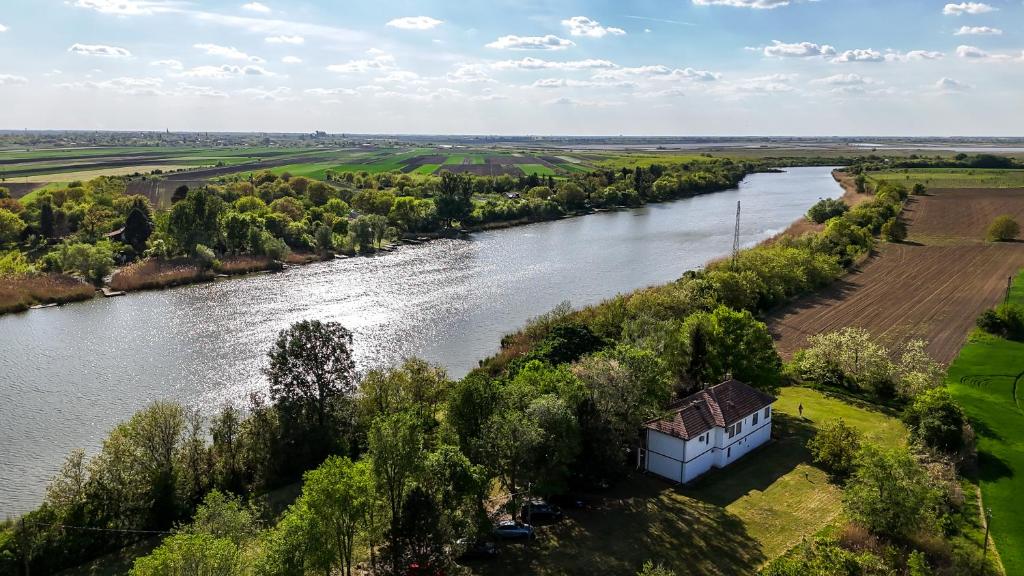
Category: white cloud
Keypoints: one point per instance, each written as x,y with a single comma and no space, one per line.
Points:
978,31
757,4
758,85
123,85
547,42
128,7
971,52
257,7
798,50
285,39
468,73
99,50
951,85
415,23
576,102
859,55
844,80
224,71
291,60
169,64
3,28
573,83
201,91
897,56
12,79
658,72
967,8
229,52
583,26
530,63
400,77
380,61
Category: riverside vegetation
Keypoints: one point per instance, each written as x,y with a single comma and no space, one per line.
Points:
400,464
53,238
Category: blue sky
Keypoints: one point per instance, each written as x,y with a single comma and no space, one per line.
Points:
681,67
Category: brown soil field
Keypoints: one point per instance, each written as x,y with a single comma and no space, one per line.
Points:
932,286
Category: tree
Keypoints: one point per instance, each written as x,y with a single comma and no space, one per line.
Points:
11,227
834,447
826,209
454,198
651,569
894,230
861,184
138,227
919,189
195,220
312,381
396,447
337,495
727,341
91,261
1003,229
889,492
510,439
936,421
46,219
420,533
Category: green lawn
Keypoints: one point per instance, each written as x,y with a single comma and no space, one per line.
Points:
538,169
730,522
983,379
953,177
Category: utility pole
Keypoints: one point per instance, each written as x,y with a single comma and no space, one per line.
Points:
1009,285
736,236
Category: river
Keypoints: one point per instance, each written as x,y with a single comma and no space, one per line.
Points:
69,374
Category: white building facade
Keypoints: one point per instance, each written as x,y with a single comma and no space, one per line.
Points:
710,429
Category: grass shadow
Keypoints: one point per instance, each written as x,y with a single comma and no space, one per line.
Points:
759,469
992,468
640,519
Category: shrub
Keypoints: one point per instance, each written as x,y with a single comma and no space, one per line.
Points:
936,421
1003,229
834,447
826,209
1005,321
894,230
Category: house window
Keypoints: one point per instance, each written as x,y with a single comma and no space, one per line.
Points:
753,419
701,439
728,452
767,412
732,431
739,427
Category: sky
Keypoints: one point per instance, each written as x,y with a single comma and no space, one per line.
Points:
607,67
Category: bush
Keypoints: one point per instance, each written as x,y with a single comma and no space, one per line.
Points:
826,209
1003,229
936,421
894,230
834,447
1005,321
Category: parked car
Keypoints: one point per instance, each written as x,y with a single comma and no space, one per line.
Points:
476,549
511,530
540,511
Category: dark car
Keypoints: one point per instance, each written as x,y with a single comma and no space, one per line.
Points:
540,511
476,549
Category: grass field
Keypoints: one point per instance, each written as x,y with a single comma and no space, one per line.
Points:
538,169
953,177
731,522
987,379
455,159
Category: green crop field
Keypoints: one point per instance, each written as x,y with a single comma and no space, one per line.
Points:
568,167
731,522
455,159
987,379
426,169
538,169
953,177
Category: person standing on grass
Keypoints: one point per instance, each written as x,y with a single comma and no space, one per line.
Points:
800,409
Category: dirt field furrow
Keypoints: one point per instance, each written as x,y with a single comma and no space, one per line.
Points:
933,286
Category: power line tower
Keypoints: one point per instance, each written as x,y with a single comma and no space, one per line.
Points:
736,236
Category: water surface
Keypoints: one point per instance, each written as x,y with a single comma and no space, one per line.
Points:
69,374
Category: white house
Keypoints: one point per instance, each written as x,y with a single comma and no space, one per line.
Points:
710,429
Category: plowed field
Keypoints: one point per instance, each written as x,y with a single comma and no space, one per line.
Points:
932,286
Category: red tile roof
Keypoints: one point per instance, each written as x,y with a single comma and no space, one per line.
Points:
719,405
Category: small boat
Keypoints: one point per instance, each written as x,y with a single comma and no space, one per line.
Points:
107,292
41,306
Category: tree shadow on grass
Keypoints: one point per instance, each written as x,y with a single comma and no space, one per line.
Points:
992,468
981,428
643,518
759,469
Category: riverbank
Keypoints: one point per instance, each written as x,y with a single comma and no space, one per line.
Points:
20,293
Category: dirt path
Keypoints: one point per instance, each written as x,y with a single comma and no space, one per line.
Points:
933,286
